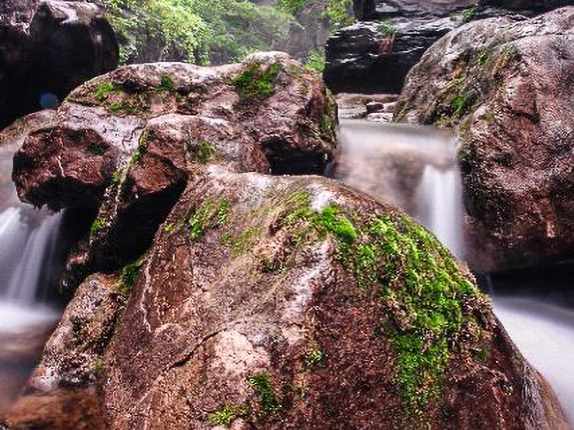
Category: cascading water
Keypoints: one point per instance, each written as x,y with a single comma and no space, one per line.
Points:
412,167
27,260
415,168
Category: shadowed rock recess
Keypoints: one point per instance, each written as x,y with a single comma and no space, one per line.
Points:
210,294
508,94
47,48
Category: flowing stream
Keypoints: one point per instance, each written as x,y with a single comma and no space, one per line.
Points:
28,267
416,169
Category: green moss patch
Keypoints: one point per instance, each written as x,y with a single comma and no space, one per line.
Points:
421,287
256,82
129,276
210,214
267,399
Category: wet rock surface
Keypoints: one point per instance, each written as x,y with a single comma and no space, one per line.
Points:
375,54
47,48
267,114
255,301
507,94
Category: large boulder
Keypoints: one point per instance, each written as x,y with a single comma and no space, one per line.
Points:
508,94
375,54
47,48
289,303
367,10
275,302
267,114
539,6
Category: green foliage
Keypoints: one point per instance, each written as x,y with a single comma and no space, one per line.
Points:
292,6
199,31
130,275
203,151
332,220
339,12
315,61
268,401
462,103
243,241
484,56
224,416
315,358
167,27
210,214
166,83
97,225
103,90
387,28
470,13
255,83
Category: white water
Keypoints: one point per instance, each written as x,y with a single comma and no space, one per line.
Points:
412,167
27,255
544,333
415,168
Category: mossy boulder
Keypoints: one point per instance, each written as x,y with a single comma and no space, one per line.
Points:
208,294
289,303
507,93
132,139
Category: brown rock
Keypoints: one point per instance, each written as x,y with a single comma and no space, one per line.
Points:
249,300
58,410
253,307
47,48
508,93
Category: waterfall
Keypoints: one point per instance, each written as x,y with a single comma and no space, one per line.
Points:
28,258
412,167
439,206
28,278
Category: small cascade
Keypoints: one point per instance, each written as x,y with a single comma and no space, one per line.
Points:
439,206
30,275
28,258
412,167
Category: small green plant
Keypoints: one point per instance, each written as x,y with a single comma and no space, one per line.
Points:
292,6
254,83
484,56
117,177
462,103
130,275
166,83
103,91
227,414
470,13
204,151
210,214
387,28
268,401
98,365
97,225
315,358
315,61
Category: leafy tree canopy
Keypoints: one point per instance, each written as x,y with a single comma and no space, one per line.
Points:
216,31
